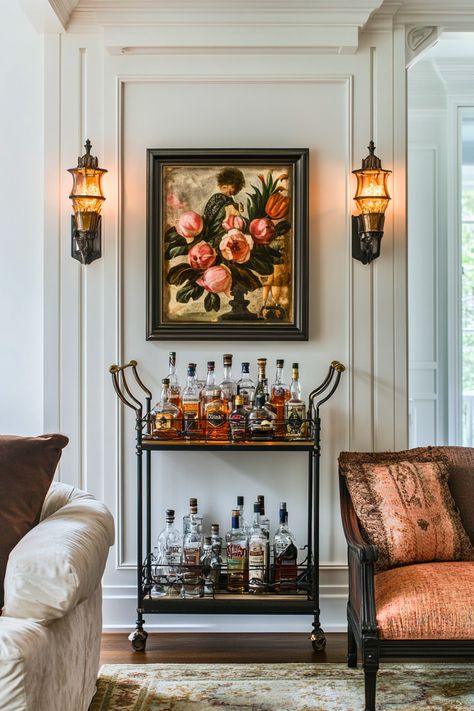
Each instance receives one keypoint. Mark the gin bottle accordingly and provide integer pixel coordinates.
(285, 555)
(192, 515)
(237, 556)
(295, 409)
(246, 387)
(211, 567)
(258, 552)
(169, 551)
(164, 416)
(191, 406)
(192, 550)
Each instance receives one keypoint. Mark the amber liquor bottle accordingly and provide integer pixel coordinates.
(164, 418)
(174, 388)
(295, 409)
(228, 385)
(215, 408)
(191, 406)
(279, 397)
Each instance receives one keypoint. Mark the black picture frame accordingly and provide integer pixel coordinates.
(266, 324)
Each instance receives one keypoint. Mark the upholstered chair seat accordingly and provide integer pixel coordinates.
(426, 601)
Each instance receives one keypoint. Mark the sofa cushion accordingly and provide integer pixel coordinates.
(426, 601)
(407, 511)
(27, 466)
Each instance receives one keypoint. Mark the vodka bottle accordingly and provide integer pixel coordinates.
(258, 554)
(237, 556)
(192, 550)
(169, 551)
(246, 387)
(265, 526)
(193, 514)
(285, 555)
(243, 525)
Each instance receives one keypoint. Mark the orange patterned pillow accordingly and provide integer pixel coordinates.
(406, 510)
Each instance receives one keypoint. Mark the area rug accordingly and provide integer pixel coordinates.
(281, 687)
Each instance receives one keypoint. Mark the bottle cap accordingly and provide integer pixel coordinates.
(169, 513)
(211, 364)
(282, 505)
(227, 358)
(208, 541)
(165, 381)
(280, 363)
(245, 367)
(235, 512)
(172, 357)
(215, 528)
(256, 507)
(295, 366)
(261, 362)
(239, 400)
(240, 501)
(191, 369)
(193, 502)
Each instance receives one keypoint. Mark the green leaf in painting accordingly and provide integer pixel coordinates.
(188, 292)
(208, 302)
(171, 235)
(180, 273)
(244, 277)
(172, 251)
(282, 227)
(216, 301)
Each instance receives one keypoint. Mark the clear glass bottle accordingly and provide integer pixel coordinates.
(211, 567)
(169, 551)
(295, 409)
(258, 554)
(193, 582)
(164, 418)
(192, 515)
(262, 386)
(285, 555)
(228, 385)
(237, 556)
(261, 422)
(238, 421)
(174, 388)
(246, 387)
(243, 525)
(279, 396)
(216, 539)
(215, 408)
(265, 526)
(191, 406)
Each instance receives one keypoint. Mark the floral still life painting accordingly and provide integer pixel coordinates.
(227, 244)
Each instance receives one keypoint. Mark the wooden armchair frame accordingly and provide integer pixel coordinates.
(362, 630)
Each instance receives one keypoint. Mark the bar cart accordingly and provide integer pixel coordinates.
(304, 599)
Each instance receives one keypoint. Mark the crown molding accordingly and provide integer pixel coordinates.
(48, 16)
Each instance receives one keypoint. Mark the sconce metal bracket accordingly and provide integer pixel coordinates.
(86, 247)
(365, 245)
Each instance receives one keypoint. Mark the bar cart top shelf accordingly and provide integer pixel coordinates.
(184, 445)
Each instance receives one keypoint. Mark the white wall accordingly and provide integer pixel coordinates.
(21, 237)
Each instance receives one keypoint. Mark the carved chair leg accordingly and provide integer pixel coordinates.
(371, 667)
(351, 647)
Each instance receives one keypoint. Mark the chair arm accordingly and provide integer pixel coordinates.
(365, 552)
(60, 562)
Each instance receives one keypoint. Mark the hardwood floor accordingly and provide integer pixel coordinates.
(222, 648)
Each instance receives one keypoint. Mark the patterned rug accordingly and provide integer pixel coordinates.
(281, 687)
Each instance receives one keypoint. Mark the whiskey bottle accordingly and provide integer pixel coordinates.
(215, 408)
(258, 559)
(228, 385)
(192, 574)
(192, 515)
(261, 422)
(164, 418)
(211, 567)
(237, 556)
(285, 555)
(238, 421)
(246, 387)
(174, 388)
(262, 385)
(295, 409)
(279, 396)
(191, 406)
(169, 552)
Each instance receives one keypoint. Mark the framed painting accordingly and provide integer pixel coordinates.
(227, 246)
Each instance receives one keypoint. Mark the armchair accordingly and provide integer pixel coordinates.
(412, 610)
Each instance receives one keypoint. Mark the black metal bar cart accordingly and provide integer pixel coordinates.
(305, 598)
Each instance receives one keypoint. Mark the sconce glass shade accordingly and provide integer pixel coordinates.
(86, 193)
(372, 196)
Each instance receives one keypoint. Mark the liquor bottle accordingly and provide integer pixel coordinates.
(211, 567)
(164, 418)
(214, 407)
(216, 539)
(192, 515)
(237, 556)
(243, 525)
(192, 550)
(285, 555)
(295, 409)
(228, 385)
(265, 526)
(191, 406)
(258, 552)
(261, 422)
(262, 386)
(238, 421)
(246, 387)
(279, 396)
(169, 550)
(174, 389)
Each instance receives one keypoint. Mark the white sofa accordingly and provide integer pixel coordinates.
(51, 622)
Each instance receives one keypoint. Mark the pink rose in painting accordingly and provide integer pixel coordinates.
(189, 225)
(236, 247)
(262, 230)
(233, 222)
(201, 256)
(216, 279)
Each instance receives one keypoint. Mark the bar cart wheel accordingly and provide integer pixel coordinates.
(138, 639)
(318, 640)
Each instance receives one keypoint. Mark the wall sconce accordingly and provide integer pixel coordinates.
(372, 200)
(87, 199)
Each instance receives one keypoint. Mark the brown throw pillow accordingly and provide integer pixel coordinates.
(27, 466)
(407, 511)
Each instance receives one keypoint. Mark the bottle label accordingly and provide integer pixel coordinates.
(190, 418)
(173, 555)
(163, 421)
(236, 557)
(295, 421)
(192, 556)
(216, 418)
(257, 560)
